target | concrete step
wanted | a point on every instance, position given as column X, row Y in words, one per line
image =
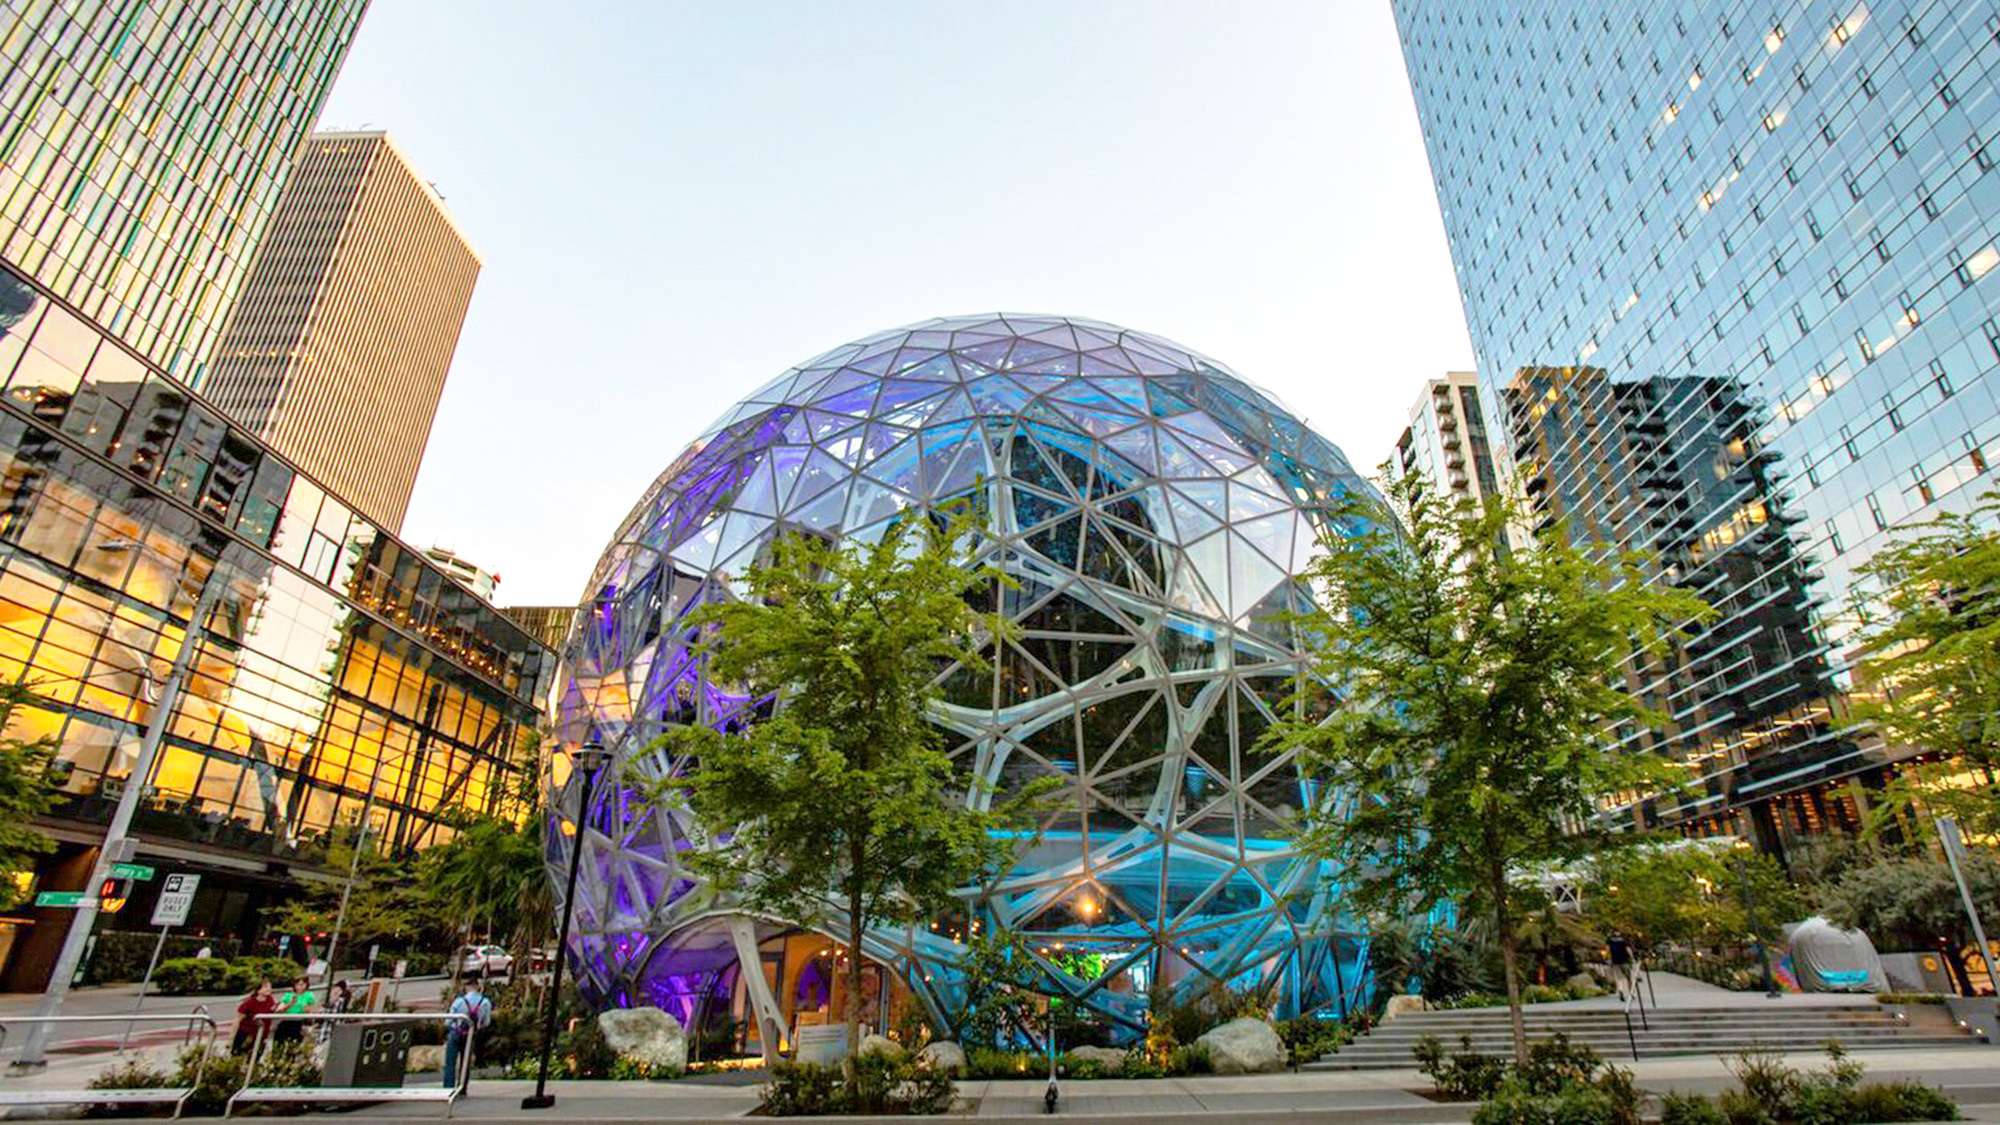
column 1718, row 1030
column 1361, row 1059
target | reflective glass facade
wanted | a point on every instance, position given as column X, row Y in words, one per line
column 340, row 674
column 1153, row 508
column 143, row 145
column 1730, row 270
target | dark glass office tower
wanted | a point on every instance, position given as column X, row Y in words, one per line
column 143, row 146
column 1730, row 271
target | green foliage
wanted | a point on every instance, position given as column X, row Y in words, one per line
column 1771, row 1092
column 1481, row 678
column 382, row 906
column 25, row 793
column 1548, row 1067
column 999, row 1004
column 1930, row 648
column 844, row 800
column 1447, row 962
column 214, row 1078
column 878, row 1085
column 1184, row 1018
column 1692, row 894
column 1462, row 1075
column 1587, row 1104
column 1909, row 902
column 121, row 955
column 490, row 878
column 1690, row 1109
column 191, row 976
column 1307, row 1038
column 1533, row 994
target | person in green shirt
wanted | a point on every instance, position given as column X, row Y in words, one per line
column 294, row 1001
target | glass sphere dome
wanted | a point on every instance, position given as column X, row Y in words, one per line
column 1153, row 508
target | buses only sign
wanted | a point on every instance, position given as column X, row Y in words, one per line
column 176, row 900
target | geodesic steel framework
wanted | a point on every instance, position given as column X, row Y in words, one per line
column 1153, row 508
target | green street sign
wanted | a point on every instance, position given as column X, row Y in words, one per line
column 59, row 898
column 137, row 871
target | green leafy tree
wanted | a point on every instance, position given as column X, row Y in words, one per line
column 1930, row 674
column 1910, row 902
column 490, row 878
column 844, row 799
column 1481, row 679
column 25, row 793
column 381, row 906
column 1693, row 894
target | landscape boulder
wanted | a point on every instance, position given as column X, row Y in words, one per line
column 647, row 1036
column 426, row 1057
column 1404, row 1003
column 1244, row 1046
column 881, row 1045
column 1112, row 1060
column 943, row 1055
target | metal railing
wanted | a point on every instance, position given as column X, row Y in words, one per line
column 267, row 1022
column 1629, row 992
column 197, row 1022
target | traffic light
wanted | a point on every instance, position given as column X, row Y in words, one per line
column 112, row 895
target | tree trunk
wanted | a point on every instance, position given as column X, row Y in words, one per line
column 854, row 921
column 1508, row 942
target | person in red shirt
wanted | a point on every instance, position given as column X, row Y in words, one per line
column 261, row 1002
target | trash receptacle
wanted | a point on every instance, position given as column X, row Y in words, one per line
column 366, row 1053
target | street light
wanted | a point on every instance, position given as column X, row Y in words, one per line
column 590, row 758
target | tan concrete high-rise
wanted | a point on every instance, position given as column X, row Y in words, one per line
column 339, row 347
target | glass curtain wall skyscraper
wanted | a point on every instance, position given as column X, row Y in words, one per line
column 143, row 146
column 1729, row 269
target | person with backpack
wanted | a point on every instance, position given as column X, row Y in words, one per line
column 473, row 1003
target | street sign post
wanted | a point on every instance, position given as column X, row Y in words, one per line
column 176, row 900
column 170, row 910
column 137, row 872
column 59, row 898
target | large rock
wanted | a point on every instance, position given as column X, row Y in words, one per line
column 1244, row 1046
column 647, row 1036
column 1582, row 981
column 1405, row 1002
column 881, row 1045
column 1113, row 1061
column 943, row 1055
column 426, row 1057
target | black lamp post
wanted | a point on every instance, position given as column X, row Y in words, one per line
column 590, row 758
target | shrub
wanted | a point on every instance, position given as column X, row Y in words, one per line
column 287, row 1064
column 992, row 1062
column 1464, row 1075
column 1909, row 998
column 802, row 1090
column 120, row 956
column 1902, row 1101
column 1189, row 1059
column 1139, row 1064
column 1556, row 1063
column 879, row 1085
column 191, row 976
column 1514, row 1104
column 1307, row 1037
column 1082, row 1069
column 584, row 1048
column 1690, row 1109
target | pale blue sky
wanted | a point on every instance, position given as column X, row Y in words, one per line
column 677, row 201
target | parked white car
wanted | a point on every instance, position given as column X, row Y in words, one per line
column 486, row 960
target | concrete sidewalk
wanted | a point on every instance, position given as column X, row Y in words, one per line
column 1971, row 1074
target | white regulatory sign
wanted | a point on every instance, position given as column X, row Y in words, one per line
column 176, row 899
